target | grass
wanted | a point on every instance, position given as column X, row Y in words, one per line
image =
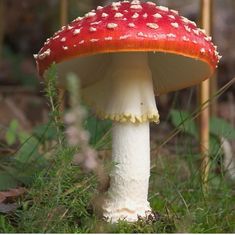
column 63, row 205
column 192, row 211
column 61, row 197
column 60, row 201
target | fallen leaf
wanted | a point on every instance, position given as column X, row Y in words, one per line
column 11, row 194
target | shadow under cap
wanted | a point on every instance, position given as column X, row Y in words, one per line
column 170, row 72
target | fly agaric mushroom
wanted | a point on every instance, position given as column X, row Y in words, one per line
column 124, row 53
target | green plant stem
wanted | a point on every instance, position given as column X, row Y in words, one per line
column 52, row 95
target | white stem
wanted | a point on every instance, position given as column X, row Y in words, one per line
column 128, row 192
column 132, row 99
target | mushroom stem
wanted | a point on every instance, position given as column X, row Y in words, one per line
column 127, row 198
column 128, row 192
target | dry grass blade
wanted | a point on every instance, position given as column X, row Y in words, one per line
column 194, row 116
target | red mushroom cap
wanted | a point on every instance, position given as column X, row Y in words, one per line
column 129, row 26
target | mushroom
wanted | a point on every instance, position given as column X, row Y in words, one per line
column 124, row 54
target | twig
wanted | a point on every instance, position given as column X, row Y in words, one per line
column 204, row 95
column 63, row 12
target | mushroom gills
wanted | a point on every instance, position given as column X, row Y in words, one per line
column 125, row 92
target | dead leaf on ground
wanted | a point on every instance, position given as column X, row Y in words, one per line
column 11, row 194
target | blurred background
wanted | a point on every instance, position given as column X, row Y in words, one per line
column 26, row 24
column 24, row 110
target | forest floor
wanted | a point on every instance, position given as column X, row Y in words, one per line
column 63, row 202
column 43, row 191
